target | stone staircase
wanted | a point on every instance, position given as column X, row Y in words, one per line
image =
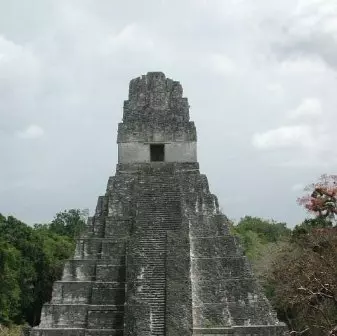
column 158, row 211
column 153, row 290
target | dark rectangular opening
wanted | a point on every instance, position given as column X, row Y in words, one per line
column 157, row 152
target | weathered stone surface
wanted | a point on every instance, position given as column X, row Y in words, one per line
column 157, row 258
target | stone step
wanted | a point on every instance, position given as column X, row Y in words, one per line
column 159, row 240
column 151, row 246
column 157, row 264
column 156, row 252
column 153, row 296
column 158, row 235
column 90, row 292
column 157, row 190
column 158, row 200
column 157, row 221
column 153, row 302
column 152, row 253
column 167, row 203
column 91, row 270
column 157, row 312
column 160, row 191
column 158, row 243
column 75, row 332
column 147, row 243
column 153, row 279
column 154, row 291
column 260, row 330
column 78, row 315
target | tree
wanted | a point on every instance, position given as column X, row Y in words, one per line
column 56, row 249
column 322, row 198
column 308, row 225
column 69, row 222
column 268, row 231
column 256, row 232
column 23, row 238
column 9, row 282
column 304, row 279
column 31, row 259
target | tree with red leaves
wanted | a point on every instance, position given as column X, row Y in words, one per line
column 322, row 198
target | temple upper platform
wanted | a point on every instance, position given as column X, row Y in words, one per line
column 156, row 123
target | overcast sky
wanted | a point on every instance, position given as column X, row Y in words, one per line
column 260, row 76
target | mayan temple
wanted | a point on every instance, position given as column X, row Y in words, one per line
column 157, row 258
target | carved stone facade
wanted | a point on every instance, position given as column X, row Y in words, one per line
column 157, row 258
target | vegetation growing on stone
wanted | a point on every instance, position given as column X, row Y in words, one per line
column 13, row 331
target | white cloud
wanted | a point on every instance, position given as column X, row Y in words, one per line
column 132, row 37
column 315, row 12
column 276, row 88
column 31, row 132
column 309, row 107
column 297, row 187
column 287, row 136
column 301, row 64
column 320, row 14
column 17, row 63
column 222, row 64
column 20, row 79
column 311, row 30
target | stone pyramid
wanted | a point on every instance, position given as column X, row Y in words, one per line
column 157, row 258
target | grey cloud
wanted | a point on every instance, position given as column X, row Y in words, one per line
column 310, row 30
column 317, row 44
column 70, row 65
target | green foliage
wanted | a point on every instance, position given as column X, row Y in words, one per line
column 68, row 223
column 31, row 260
column 9, row 282
column 268, row 231
column 255, row 233
column 24, row 239
column 56, row 250
column 296, row 270
column 309, row 224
